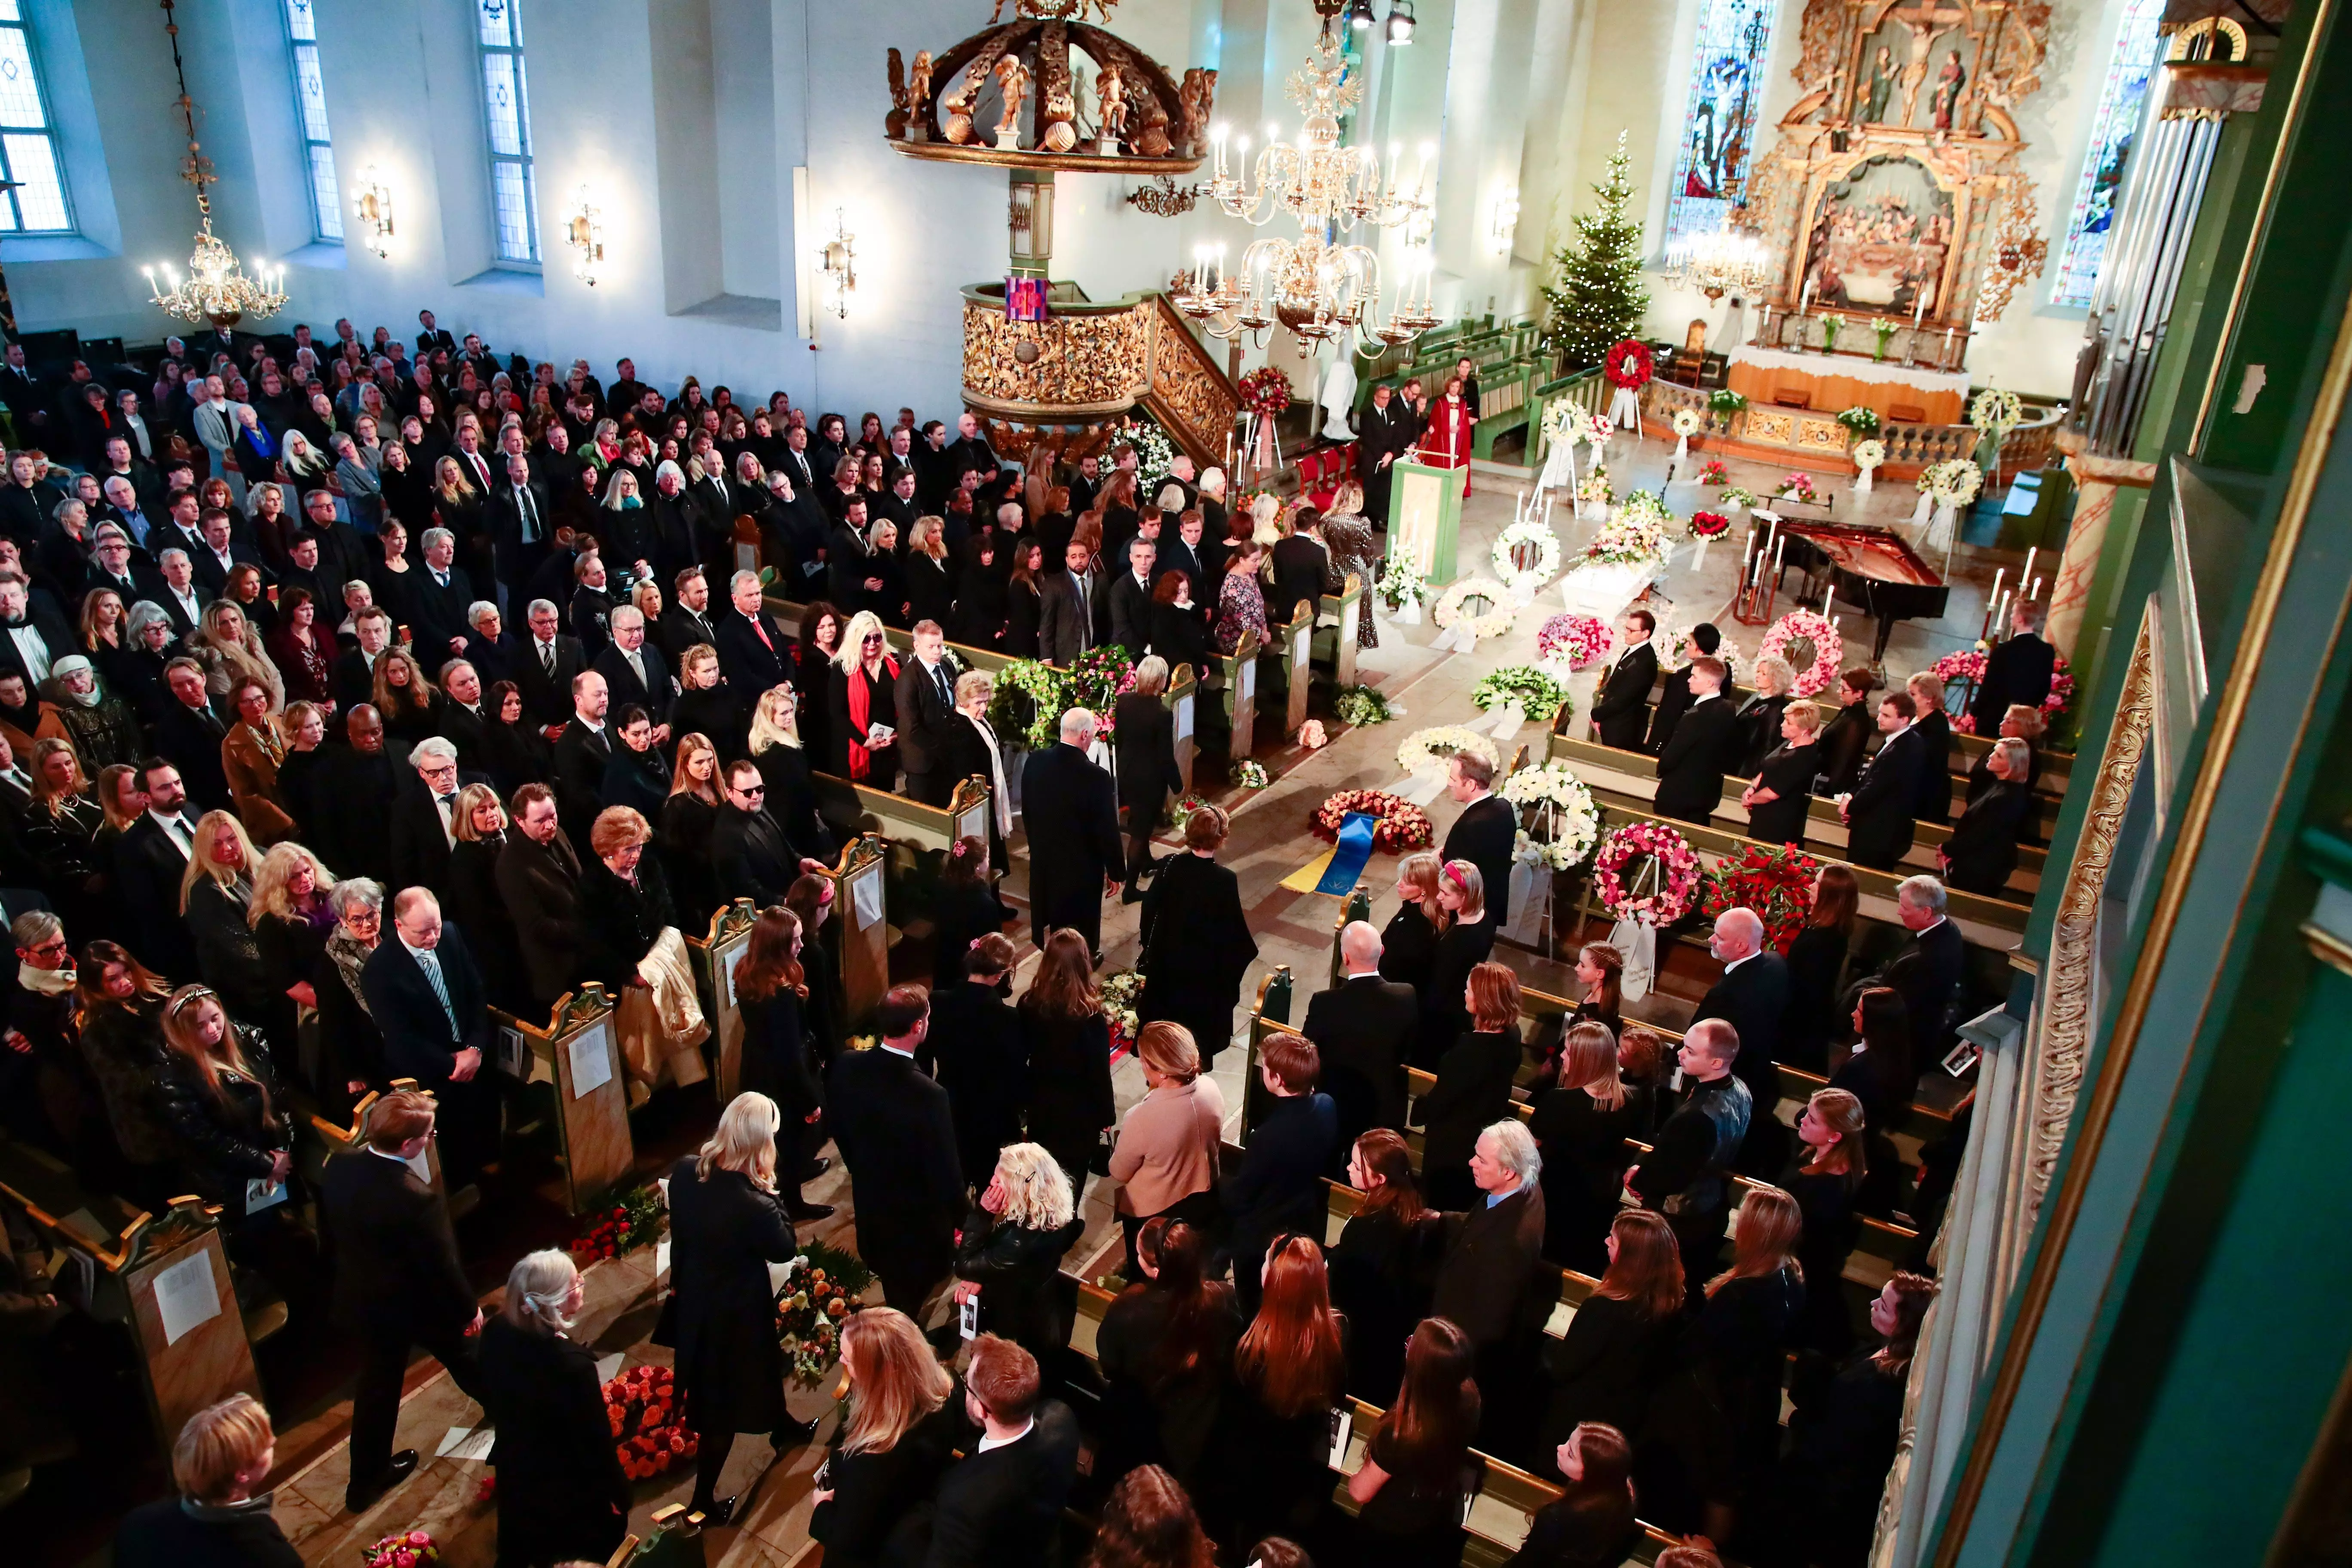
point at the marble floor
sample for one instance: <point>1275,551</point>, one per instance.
<point>1270,840</point>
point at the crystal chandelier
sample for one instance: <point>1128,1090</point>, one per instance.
<point>217,290</point>
<point>1729,261</point>
<point>1313,287</point>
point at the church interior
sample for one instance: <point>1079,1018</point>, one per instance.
<point>1410,418</point>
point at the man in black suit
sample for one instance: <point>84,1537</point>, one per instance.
<point>1621,705</point>
<point>1075,612</point>
<point>924,700</point>
<point>1385,430</point>
<point>2019,669</point>
<point>149,861</point>
<point>1935,732</point>
<point>635,673</point>
<point>1877,814</point>
<point>1928,973</point>
<point>425,993</point>
<point>1074,849</point>
<point>423,819</point>
<point>129,573</point>
<point>546,667</point>
<point>749,850</point>
<point>31,639</point>
<point>353,679</point>
<point>1687,1175</point>
<point>459,718</point>
<point>1705,742</point>
<point>1003,1504</point>
<point>398,1282</point>
<point>439,600</point>
<point>1750,996</point>
<point>1674,699</point>
<point>521,511</point>
<point>895,1133</point>
<point>1180,551</point>
<point>1492,1284</point>
<point>686,624</point>
<point>1279,1184</point>
<point>1484,832</point>
<point>1364,1030</point>
<point>538,875</point>
<point>189,733</point>
<point>1131,597</point>
<point>353,796</point>
<point>582,750</point>
<point>431,339</point>
<point>981,1053</point>
<point>307,568</point>
<point>752,647</point>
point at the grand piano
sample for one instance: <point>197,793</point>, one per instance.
<point>1868,569</point>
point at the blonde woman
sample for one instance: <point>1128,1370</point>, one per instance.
<point>216,892</point>
<point>1467,937</point>
<point>559,1499</point>
<point>775,747</point>
<point>222,1460</point>
<point>1580,1126</point>
<point>1409,941</point>
<point>896,1440</point>
<point>863,690</point>
<point>1166,1161</point>
<point>291,918</point>
<point>930,583</point>
<point>688,819</point>
<point>1353,550</point>
<point>1011,1246</point>
<point>727,1225</point>
<point>229,650</point>
<point>60,827</point>
<point>1759,716</point>
<point>220,1097</point>
<point>402,699</point>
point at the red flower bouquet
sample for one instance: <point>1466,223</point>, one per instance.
<point>1629,365</point>
<point>1266,390</point>
<point>1709,525</point>
<point>1401,826</point>
<point>641,1408</point>
<point>1778,884</point>
<point>401,1549</point>
<point>628,1224</point>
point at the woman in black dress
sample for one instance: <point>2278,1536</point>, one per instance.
<point>864,699</point>
<point>775,744</point>
<point>1591,1524</point>
<point>893,1444</point>
<point>1816,964</point>
<point>1165,1350</point>
<point>978,616</point>
<point>1410,1489</point>
<point>514,753</point>
<point>1409,941</point>
<point>1271,1471</point>
<point>562,1495</point>
<point>291,920</point>
<point>1384,1265</point>
<point>930,580</point>
<point>1877,1067</point>
<point>1022,605</point>
<point>1011,1248</point>
<point>2023,721</point>
<point>1781,794</point>
<point>1601,973</point>
<point>964,909</point>
<point>1180,626</point>
<point>1823,1182</point>
<point>1759,717</point>
<point>1845,739</point>
<point>636,775</point>
<point>1070,1099</point>
<point>1619,1346</point>
<point>1842,1441</point>
<point>623,900</point>
<point>771,989</point>
<point>1193,972</point>
<point>1462,944</point>
<point>1981,853</point>
<point>727,1225</point>
<point>688,819</point>
<point>215,896</point>
<point>1143,743</point>
<point>474,901</point>
<point>1581,1127</point>
<point>1473,1088</point>
<point>704,707</point>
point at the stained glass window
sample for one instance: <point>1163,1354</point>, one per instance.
<point>310,117</point>
<point>29,145</point>
<point>2112,129</point>
<point>1726,82</point>
<point>506,102</point>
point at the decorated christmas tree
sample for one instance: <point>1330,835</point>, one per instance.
<point>1599,297</point>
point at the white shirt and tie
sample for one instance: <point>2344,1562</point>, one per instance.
<point>176,831</point>
<point>34,649</point>
<point>430,961</point>
<point>447,804</point>
<point>546,654</point>
<point>526,511</point>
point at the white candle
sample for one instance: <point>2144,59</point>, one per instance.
<point>1918,311</point>
<point>2036,594</point>
<point>2026,573</point>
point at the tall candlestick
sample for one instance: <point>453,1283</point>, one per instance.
<point>2035,596</point>
<point>2025,574</point>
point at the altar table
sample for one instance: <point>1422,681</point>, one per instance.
<point>1836,382</point>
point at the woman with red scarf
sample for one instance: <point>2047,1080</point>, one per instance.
<point>1445,438</point>
<point>865,705</point>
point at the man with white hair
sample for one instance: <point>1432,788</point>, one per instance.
<point>635,672</point>
<point>1687,1175</point>
<point>1073,861</point>
<point>1487,1286</point>
<point>1750,996</point>
<point>547,665</point>
<point>180,598</point>
<point>1364,1028</point>
<point>1928,972</point>
<point>752,647</point>
<point>438,601</point>
<point>424,815</point>
<point>1212,504</point>
<point>425,993</point>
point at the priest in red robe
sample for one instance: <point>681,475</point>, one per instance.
<point>1446,439</point>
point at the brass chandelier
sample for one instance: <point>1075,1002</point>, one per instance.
<point>216,292</point>
<point>1729,261</point>
<point>1314,287</point>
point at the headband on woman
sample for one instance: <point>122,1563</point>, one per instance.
<point>1454,876</point>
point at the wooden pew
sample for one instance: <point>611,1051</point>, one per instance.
<point>861,926</point>
<point>579,1050</point>
<point>1240,697</point>
<point>1292,646</point>
<point>714,955</point>
<point>1335,646</point>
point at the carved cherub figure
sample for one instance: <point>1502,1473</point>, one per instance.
<point>894,124</point>
<point>1112,85</point>
<point>918,85</point>
<point>1196,95</point>
<point>1012,82</point>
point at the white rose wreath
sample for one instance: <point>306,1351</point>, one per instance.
<point>1453,614</point>
<point>1426,750</point>
<point>1524,581</point>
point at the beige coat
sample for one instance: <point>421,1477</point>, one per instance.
<point>1167,1150</point>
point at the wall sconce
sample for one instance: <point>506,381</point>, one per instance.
<point>373,204</point>
<point>838,259</point>
<point>585,232</point>
<point>1399,23</point>
<point>1507,222</point>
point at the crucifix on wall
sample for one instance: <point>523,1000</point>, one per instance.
<point>1924,19</point>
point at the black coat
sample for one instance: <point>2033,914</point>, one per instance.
<point>229,1138</point>
<point>655,693</point>
<point>581,753</point>
<point>1929,974</point>
<point>1279,1185</point>
<point>1196,947</point>
<point>724,1232</point>
<point>540,885</point>
<point>1982,849</point>
<point>1788,772</point>
<point>547,698</point>
<point>418,1040</point>
<point>561,1493</point>
<point>791,801</point>
<point>1584,1162</point>
<point>1814,961</point>
<point>1844,742</point>
<point>1382,1271</point>
<point>396,1269</point>
<point>747,664</point>
<point>1612,1361</point>
<point>1068,865</point>
<point>623,920</point>
<point>981,1053</point>
<point>1363,1030</point>
<point>1143,751</point>
<point>1759,732</point>
<point>1879,824</point>
<point>1486,1283</point>
<point>1934,732</point>
<point>1461,948</point>
<point>166,1534</point>
<point>1673,702</point>
<point>1070,1100</point>
<point>420,844</point>
<point>1409,948</point>
<point>752,856</point>
<point>881,1499</point>
<point>776,1060</point>
<point>1621,706</point>
<point>1751,999</point>
<point>1298,563</point>
<point>1484,834</point>
<point>1703,746</point>
<point>897,1134</point>
<point>147,871</point>
<point>2018,670</point>
<point>1065,630</point>
<point>921,709</point>
<point>1473,1089</point>
<point>1004,1508</point>
<point>190,740</point>
<point>354,796</point>
<point>1015,1267</point>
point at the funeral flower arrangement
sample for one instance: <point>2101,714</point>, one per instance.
<point>1953,482</point>
<point>1120,993</point>
<point>1710,524</point>
<point>1996,411</point>
<point>401,1549</point>
<point>1247,775</point>
<point>1688,423</point>
<point>641,1406</point>
<point>1798,486</point>
<point>1778,884</point>
<point>1713,472</point>
<point>1627,856</point>
<point>819,1290</point>
<point>1537,695</point>
<point>1400,826</point>
<point>1633,537</point>
<point>1454,608</point>
<point>633,1222</point>
<point>1096,681</point>
<point>1400,587</point>
<point>1575,640</point>
<point>1027,707</point>
<point>1361,705</point>
<point>1182,812</point>
<point>1868,454</point>
<point>1734,497</point>
<point>1630,364</point>
<point>1527,534</point>
<point>1723,400</point>
<point>1426,750</point>
<point>1807,626</point>
<point>1155,453</point>
<point>1859,420</point>
<point>1267,390</point>
<point>1563,421</point>
<point>1594,486</point>
<point>1565,823</point>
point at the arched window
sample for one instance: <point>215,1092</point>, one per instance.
<point>29,145</point>
<point>505,99</point>
<point>2121,101</point>
<point>311,120</point>
<point>1718,141</point>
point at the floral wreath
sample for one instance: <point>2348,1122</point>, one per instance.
<point>1267,390</point>
<point>1597,429</point>
<point>1996,411</point>
<point>1400,826</point>
<point>1953,482</point>
<point>1453,607</point>
<point>1687,422</point>
<point>1429,751</point>
<point>1679,874</point>
<point>1777,883</point>
<point>1630,364</point>
<point>1560,416</point>
<point>1120,991</point>
<point>1579,639</point>
<point>1565,810</point>
<point>1528,531</point>
<point>1709,525</point>
<point>1539,696</point>
<point>1869,454</point>
<point>1829,649</point>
